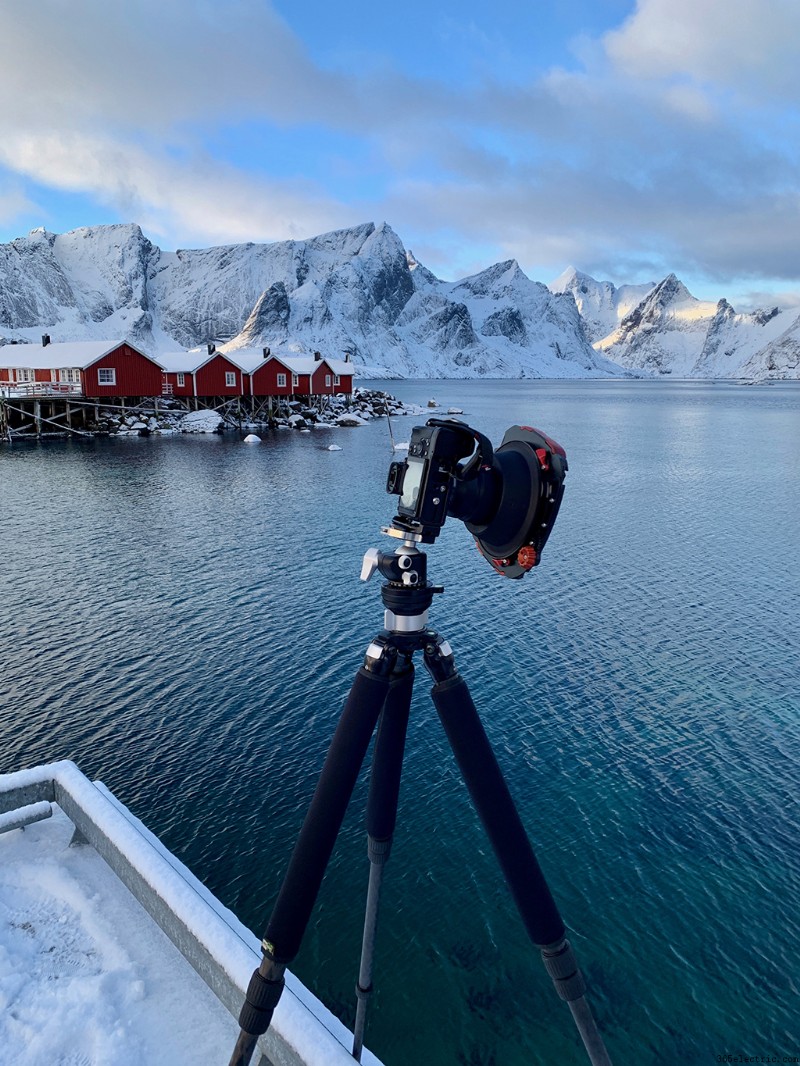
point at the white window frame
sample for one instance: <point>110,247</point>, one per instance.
<point>281,381</point>
<point>70,376</point>
<point>110,372</point>
<point>180,378</point>
<point>336,379</point>
<point>24,374</point>
<point>295,380</point>
<point>230,379</point>
<point>328,380</point>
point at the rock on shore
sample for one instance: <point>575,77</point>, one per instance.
<point>338,411</point>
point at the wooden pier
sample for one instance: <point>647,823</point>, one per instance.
<point>76,388</point>
<point>44,409</point>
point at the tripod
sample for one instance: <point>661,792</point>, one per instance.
<point>381,696</point>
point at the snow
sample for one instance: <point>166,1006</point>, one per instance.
<point>357,290</point>
<point>602,304</point>
<point>334,448</point>
<point>67,355</point>
<point>185,362</point>
<point>249,359</point>
<point>350,418</point>
<point>201,422</point>
<point>87,977</point>
<point>252,438</point>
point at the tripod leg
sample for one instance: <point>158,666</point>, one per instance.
<point>500,818</point>
<point>298,893</point>
<point>384,789</point>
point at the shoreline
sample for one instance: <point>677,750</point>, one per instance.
<point>154,418</point>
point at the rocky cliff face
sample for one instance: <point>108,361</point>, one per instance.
<point>663,334</point>
<point>668,331</point>
<point>602,305</point>
<point>354,290</point>
<point>358,290</point>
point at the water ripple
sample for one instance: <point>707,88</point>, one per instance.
<point>184,619</point>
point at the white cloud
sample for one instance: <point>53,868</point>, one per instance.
<point>153,64</point>
<point>749,46</point>
<point>206,199</point>
<point>663,149</point>
<point>14,202</point>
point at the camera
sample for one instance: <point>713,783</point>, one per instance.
<point>508,498</point>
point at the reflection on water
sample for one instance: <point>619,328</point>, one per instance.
<point>183,618</point>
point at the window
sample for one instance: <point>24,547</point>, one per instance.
<point>281,381</point>
<point>181,379</point>
<point>71,375</point>
<point>336,379</point>
<point>295,380</point>
<point>106,375</point>
<point>328,380</point>
<point>24,374</point>
<point>230,378</point>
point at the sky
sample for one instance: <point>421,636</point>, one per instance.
<point>627,138</point>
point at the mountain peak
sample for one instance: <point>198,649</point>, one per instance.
<point>359,289</point>
<point>569,279</point>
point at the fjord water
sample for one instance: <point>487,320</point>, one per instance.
<point>183,618</point>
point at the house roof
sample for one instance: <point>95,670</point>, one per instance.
<point>250,359</point>
<point>62,355</point>
<point>339,366</point>
<point>190,362</point>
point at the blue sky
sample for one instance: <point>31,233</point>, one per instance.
<point>628,138</point>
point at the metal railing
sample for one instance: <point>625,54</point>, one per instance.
<point>21,390</point>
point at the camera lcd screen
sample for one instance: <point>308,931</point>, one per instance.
<point>411,484</point>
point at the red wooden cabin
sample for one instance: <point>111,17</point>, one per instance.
<point>122,371</point>
<point>332,376</point>
<point>285,374</point>
<point>94,369</point>
<point>203,374</point>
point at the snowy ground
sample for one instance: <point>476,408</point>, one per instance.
<point>86,977</point>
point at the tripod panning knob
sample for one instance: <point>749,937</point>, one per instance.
<point>370,564</point>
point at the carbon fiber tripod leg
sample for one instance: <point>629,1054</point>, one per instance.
<point>384,789</point>
<point>298,893</point>
<point>510,843</point>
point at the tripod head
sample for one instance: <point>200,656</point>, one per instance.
<point>406,593</point>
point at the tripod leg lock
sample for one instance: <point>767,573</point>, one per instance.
<point>560,962</point>
<point>381,656</point>
<point>438,658</point>
<point>378,851</point>
<point>260,1003</point>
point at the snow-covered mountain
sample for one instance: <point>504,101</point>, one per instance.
<point>355,290</point>
<point>359,290</point>
<point>664,333</point>
<point>602,305</point>
<point>662,329</point>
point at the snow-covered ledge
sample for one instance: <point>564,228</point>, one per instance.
<point>222,951</point>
